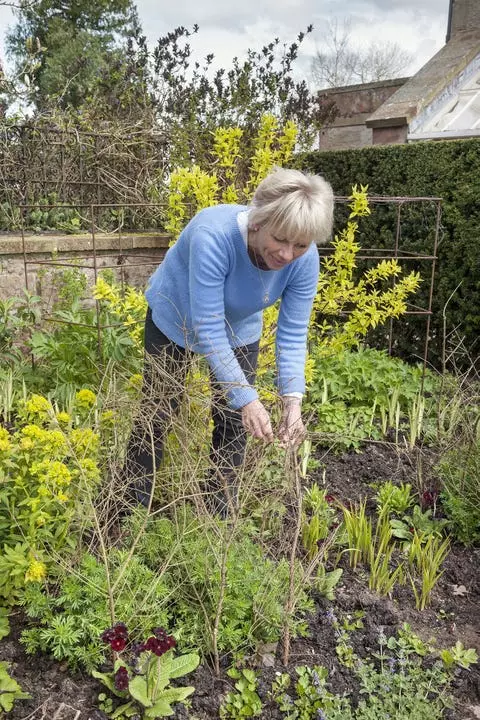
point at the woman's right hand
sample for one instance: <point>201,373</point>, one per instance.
<point>256,421</point>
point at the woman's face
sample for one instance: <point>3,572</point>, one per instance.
<point>274,249</point>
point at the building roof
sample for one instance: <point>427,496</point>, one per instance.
<point>436,78</point>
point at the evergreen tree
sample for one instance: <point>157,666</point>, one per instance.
<point>78,41</point>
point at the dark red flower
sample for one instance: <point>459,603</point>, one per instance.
<point>121,630</point>
<point>330,499</point>
<point>116,636</point>
<point>429,498</point>
<point>118,644</point>
<point>121,678</point>
<point>160,643</point>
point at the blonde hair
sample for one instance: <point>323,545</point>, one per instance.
<point>294,204</point>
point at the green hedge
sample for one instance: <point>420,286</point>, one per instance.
<point>450,170</point>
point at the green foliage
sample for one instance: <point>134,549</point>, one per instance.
<point>400,680</point>
<point>325,582</point>
<point>459,470</point>
<point>394,498</point>
<point>362,394</point>
<point>18,316</point>
<point>255,585</point>
<point>441,169</point>
<point>317,519</point>
<point>48,473</point>
<point>459,655</point>
<point>4,622</point>
<point>418,521</point>
<point>74,44</point>
<point>10,690</point>
<point>69,617</point>
<point>148,681</point>
<point>427,557</point>
<point>66,350</point>
<point>245,702</point>
<point>310,697</point>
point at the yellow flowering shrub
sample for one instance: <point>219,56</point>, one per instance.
<point>128,306</point>
<point>191,189</point>
<point>36,571</point>
<point>4,440</point>
<point>85,399</point>
<point>352,308</point>
<point>44,472</point>
<point>35,409</point>
<point>63,418</point>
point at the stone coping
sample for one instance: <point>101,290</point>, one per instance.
<point>57,243</point>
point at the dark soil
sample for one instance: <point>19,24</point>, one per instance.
<point>57,694</point>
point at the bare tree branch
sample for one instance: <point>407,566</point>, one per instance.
<point>339,62</point>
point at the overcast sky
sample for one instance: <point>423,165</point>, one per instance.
<point>229,28</point>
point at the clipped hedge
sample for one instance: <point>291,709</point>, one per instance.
<point>447,169</point>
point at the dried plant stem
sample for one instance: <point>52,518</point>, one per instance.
<point>221,595</point>
<point>290,604</point>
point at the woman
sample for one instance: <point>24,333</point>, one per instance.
<point>207,297</point>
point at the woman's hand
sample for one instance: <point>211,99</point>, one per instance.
<point>292,430</point>
<point>256,421</point>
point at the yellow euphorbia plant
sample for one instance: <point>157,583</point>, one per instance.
<point>353,308</point>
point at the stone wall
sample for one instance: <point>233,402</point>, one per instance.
<point>23,263</point>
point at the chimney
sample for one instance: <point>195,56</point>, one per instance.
<point>463,15</point>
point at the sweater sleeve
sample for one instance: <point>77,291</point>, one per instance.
<point>209,266</point>
<point>291,339</point>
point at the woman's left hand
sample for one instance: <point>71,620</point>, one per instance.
<point>292,430</point>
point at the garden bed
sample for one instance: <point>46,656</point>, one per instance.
<point>453,615</point>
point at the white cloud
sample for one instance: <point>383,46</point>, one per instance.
<point>229,29</point>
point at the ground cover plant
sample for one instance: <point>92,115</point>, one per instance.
<point>295,607</point>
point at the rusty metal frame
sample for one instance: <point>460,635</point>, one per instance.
<point>396,253</point>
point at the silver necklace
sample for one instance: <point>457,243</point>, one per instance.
<point>254,259</point>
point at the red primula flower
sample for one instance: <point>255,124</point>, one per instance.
<point>116,636</point>
<point>118,644</point>
<point>121,678</point>
<point>160,643</point>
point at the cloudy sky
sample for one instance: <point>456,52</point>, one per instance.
<point>229,28</point>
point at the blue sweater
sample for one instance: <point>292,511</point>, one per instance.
<point>207,295</point>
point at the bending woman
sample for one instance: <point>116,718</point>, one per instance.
<point>207,297</point>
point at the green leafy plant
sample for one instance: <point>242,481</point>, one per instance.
<point>317,519</point>
<point>419,521</point>
<point>245,702</point>
<point>394,498</point>
<point>359,532</point>
<point>426,557</point>
<point>459,470</point>
<point>145,677</point>
<point>326,581</point>
<point>69,615</point>
<point>459,655</point>
<point>10,690</point>
<point>382,577</point>
<point>309,697</point>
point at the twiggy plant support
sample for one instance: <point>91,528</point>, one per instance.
<point>221,596</point>
<point>294,469</point>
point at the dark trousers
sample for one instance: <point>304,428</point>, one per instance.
<point>166,366</point>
